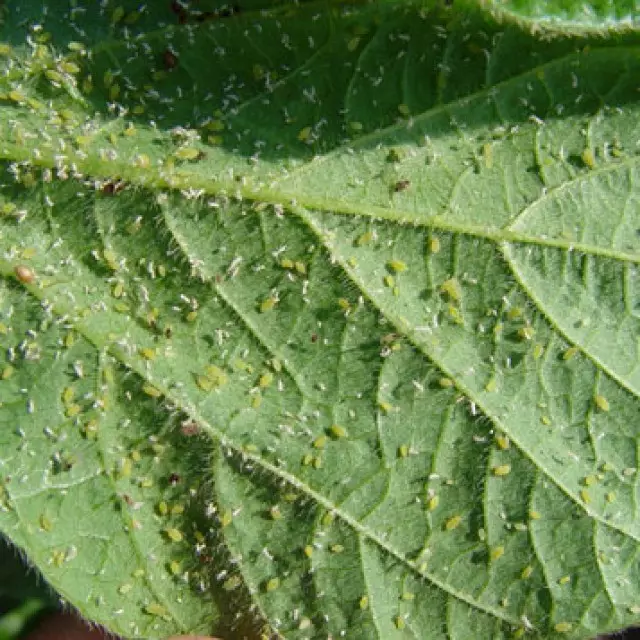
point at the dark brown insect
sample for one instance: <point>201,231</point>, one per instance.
<point>314,337</point>
<point>25,274</point>
<point>112,187</point>
<point>170,59</point>
<point>189,428</point>
<point>177,8</point>
<point>401,185</point>
<point>174,478</point>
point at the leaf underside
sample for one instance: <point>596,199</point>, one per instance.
<point>320,319</point>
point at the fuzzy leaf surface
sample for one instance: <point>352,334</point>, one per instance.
<point>323,318</point>
<point>573,16</point>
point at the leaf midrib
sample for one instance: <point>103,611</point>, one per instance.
<point>184,180</point>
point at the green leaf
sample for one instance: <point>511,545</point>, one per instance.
<point>320,320</point>
<point>568,17</point>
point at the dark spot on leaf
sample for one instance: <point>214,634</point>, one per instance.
<point>169,59</point>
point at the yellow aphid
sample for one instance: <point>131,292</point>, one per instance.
<point>123,589</point>
<point>268,304</point>
<point>308,551</point>
<point>453,523</point>
<point>433,503</point>
<point>151,391</point>
<point>226,518</point>
<point>584,496</point>
<point>286,263</point>
<point>73,410</point>
<point>491,386</point>
<point>337,431</point>
<point>389,281</point>
<point>400,623</point>
<point>352,45</point>
<point>487,152</point>
<point>403,451</point>
<point>320,442</point>
<point>404,110</point>
<point>272,584</point>
<point>155,609</point>
<point>162,508</point>
<point>175,535</point>
<point>275,512</point>
<point>232,583</point>
<point>53,75</point>
<point>216,375</point>
<point>175,567</point>
<point>563,627</point>
<point>204,382</point>
<point>69,67</point>
<point>534,515</point>
<point>445,383</point>
<point>385,407</point>
<point>187,153</point>
<point>503,442</point>
<point>397,266</point>
<point>147,353</point>
<point>142,160</point>
<point>526,572</point>
<point>570,353</point>
<point>451,288</point>
<point>45,523</point>
<point>365,238</point>
<point>266,379</point>
<point>497,553</point>
<point>589,158</point>
<point>304,134</point>
<point>526,333</point>
<point>564,580</point>
<point>16,96</point>
<point>501,470</point>
<point>434,245</point>
<point>336,548</point>
<point>215,125</point>
<point>601,403</point>
<point>117,15</point>
<point>7,372</point>
<point>67,395</point>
